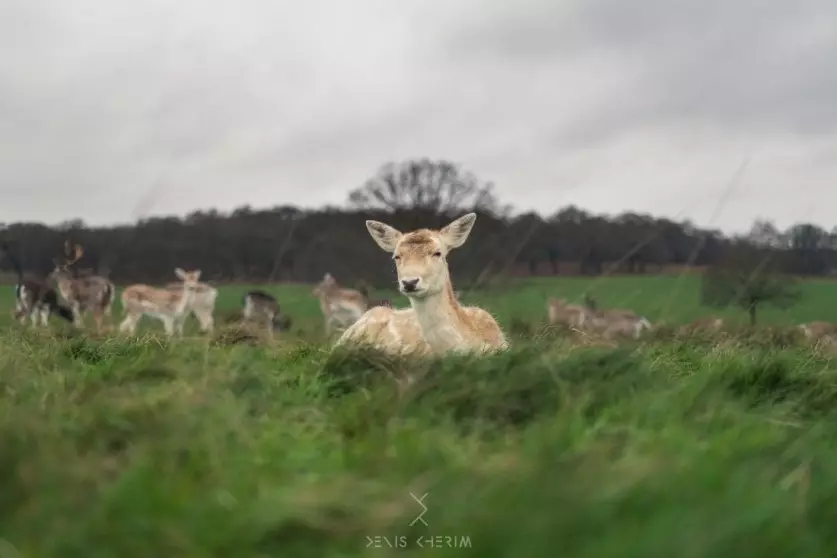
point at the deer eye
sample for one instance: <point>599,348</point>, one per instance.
<point>396,257</point>
<point>437,254</point>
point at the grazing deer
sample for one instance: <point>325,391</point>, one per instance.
<point>91,292</point>
<point>34,297</point>
<point>435,322</point>
<point>260,306</point>
<point>170,306</point>
<point>341,307</point>
<point>202,304</point>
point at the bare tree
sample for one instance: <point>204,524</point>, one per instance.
<point>439,187</point>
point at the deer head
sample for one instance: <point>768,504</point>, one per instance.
<point>328,283</point>
<point>72,254</point>
<point>421,256</point>
<point>190,278</point>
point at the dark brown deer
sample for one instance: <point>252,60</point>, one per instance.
<point>34,297</point>
<point>262,307</point>
<point>91,292</point>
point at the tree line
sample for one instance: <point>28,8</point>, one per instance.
<point>287,243</point>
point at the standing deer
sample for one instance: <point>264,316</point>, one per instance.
<point>34,297</point>
<point>202,304</point>
<point>341,307</point>
<point>435,322</point>
<point>92,292</point>
<point>260,306</point>
<point>170,306</point>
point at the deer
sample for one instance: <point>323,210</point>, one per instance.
<point>710,324</point>
<point>340,307</point>
<point>436,322</point>
<point>817,330</point>
<point>170,306</point>
<point>559,312</point>
<point>612,322</point>
<point>34,297</point>
<point>202,304</point>
<point>91,292</point>
<point>260,306</point>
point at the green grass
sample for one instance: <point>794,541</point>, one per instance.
<point>697,448</point>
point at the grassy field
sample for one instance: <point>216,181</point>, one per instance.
<point>203,447</point>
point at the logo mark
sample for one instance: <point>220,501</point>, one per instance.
<point>420,502</point>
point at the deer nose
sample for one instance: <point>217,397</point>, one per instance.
<point>409,285</point>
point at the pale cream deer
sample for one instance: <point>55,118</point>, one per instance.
<point>201,304</point>
<point>91,292</point>
<point>341,307</point>
<point>435,322</point>
<point>170,306</point>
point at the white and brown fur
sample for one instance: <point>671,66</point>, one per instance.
<point>262,307</point>
<point>560,312</point>
<point>169,305</point>
<point>436,322</point>
<point>34,297</point>
<point>610,322</point>
<point>815,331</point>
<point>91,292</point>
<point>201,305</point>
<point>340,307</point>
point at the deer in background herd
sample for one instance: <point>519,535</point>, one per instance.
<point>435,322</point>
<point>169,305</point>
<point>260,306</point>
<point>34,297</point>
<point>341,307</point>
<point>201,304</point>
<point>588,317</point>
<point>92,292</point>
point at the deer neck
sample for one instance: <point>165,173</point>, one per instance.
<point>185,299</point>
<point>440,318</point>
<point>65,286</point>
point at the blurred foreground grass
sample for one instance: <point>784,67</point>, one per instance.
<point>673,448</point>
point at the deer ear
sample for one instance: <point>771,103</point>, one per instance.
<point>385,236</point>
<point>180,273</point>
<point>197,274</point>
<point>456,233</point>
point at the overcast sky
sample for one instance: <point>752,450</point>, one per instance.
<point>114,109</point>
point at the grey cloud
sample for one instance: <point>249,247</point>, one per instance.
<point>765,65</point>
<point>605,103</point>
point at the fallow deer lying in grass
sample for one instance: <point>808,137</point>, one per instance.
<point>170,306</point>
<point>262,307</point>
<point>91,292</point>
<point>612,323</point>
<point>559,312</point>
<point>707,324</point>
<point>341,307</point>
<point>202,304</point>
<point>436,322</point>
<point>34,297</point>
<point>814,331</point>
